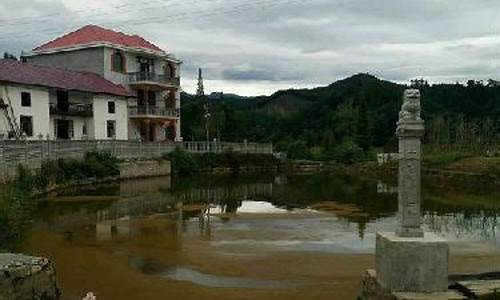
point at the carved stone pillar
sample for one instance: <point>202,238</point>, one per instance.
<point>410,132</point>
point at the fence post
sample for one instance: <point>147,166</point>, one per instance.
<point>140,147</point>
<point>2,145</point>
<point>25,151</point>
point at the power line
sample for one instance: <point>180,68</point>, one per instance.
<point>172,17</point>
<point>102,11</point>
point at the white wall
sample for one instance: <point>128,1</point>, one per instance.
<point>101,116</point>
<point>39,108</point>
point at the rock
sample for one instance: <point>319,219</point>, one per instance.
<point>27,277</point>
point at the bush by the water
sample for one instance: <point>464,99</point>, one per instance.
<point>16,204</point>
<point>185,163</point>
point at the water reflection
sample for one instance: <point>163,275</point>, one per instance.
<point>254,233</point>
<point>348,202</point>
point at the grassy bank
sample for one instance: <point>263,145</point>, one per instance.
<point>17,204</point>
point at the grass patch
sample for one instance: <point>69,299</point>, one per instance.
<point>443,159</point>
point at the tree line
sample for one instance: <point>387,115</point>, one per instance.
<point>351,118</point>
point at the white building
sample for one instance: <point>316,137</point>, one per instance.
<point>145,70</point>
<point>39,102</point>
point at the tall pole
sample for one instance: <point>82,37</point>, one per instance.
<point>207,124</point>
<point>410,131</point>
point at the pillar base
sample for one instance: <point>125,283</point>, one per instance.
<point>411,264</point>
<point>410,232</point>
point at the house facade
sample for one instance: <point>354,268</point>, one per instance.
<point>146,71</point>
<point>40,102</point>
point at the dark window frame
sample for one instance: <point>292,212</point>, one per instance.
<point>118,62</point>
<point>29,130</point>
<point>111,107</point>
<point>25,99</point>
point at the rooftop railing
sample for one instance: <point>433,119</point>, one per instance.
<point>137,77</point>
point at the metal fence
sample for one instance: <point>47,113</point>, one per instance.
<point>33,153</point>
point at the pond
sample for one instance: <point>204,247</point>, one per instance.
<point>247,237</point>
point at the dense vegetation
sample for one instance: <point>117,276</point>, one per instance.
<point>185,163</point>
<point>348,118</point>
<point>16,204</point>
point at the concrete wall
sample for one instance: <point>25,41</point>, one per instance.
<point>88,60</point>
<point>144,168</point>
<point>39,109</point>
<point>101,116</point>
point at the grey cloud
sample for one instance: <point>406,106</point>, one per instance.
<point>265,43</point>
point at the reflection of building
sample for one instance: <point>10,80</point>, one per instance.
<point>384,188</point>
<point>148,72</point>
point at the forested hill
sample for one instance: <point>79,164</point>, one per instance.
<point>358,112</point>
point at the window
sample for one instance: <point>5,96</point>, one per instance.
<point>84,130</point>
<point>152,98</point>
<point>111,107</point>
<point>141,96</point>
<point>111,129</point>
<point>27,125</point>
<point>25,99</point>
<point>118,62</point>
<point>62,101</point>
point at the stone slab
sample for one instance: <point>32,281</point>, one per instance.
<point>481,289</point>
<point>411,264</point>
<point>371,290</point>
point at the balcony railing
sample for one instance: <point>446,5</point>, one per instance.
<point>72,109</point>
<point>153,77</point>
<point>153,111</point>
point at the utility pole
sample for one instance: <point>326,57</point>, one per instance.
<point>200,91</point>
<point>207,124</point>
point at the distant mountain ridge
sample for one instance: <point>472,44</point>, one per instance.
<point>361,108</point>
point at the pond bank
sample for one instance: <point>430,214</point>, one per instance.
<point>456,172</point>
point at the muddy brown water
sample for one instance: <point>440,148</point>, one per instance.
<point>249,237</point>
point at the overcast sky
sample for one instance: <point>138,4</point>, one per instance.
<point>254,47</point>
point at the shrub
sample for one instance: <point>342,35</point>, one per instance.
<point>318,153</point>
<point>183,163</point>
<point>349,152</point>
<point>298,150</point>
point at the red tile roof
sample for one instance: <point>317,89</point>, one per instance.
<point>92,34</point>
<point>23,73</point>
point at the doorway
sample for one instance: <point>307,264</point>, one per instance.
<point>64,129</point>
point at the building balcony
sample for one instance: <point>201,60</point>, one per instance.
<point>72,109</point>
<point>152,112</point>
<point>160,80</point>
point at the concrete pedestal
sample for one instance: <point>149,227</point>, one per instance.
<point>411,264</point>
